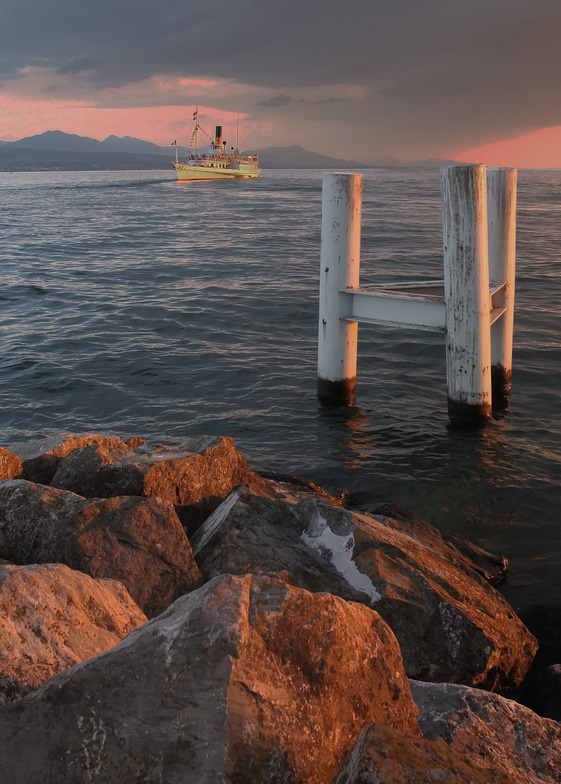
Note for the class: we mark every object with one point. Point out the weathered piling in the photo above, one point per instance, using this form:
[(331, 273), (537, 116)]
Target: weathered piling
[(340, 263), (473, 305), (466, 293), (501, 216)]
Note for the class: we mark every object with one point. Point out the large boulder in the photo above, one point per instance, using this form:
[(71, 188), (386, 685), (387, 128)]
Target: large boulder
[(451, 624), (385, 755), (41, 458), (501, 736), (10, 465), (52, 617), (195, 476), (246, 679), (138, 541)]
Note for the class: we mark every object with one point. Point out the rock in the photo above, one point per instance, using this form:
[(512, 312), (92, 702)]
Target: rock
[(246, 679), (41, 458), (10, 465), (384, 755), (493, 568), (82, 472), (498, 734), (52, 617), (4, 552), (11, 689), (195, 477), (138, 541), (451, 625), (251, 532)]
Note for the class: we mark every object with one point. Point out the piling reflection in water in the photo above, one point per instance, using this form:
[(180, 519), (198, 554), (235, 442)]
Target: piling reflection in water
[(464, 482), (349, 424)]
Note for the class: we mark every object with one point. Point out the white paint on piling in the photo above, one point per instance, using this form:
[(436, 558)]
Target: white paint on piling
[(340, 263), (466, 291), (501, 211)]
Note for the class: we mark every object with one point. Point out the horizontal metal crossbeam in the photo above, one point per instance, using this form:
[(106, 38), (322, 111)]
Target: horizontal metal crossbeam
[(409, 304), (389, 308)]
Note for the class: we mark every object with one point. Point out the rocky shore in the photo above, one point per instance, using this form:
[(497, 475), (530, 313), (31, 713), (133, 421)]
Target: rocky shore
[(169, 616)]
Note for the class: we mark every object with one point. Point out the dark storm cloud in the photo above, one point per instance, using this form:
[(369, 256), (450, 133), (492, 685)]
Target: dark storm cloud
[(450, 71), (276, 101), (79, 66), (279, 101)]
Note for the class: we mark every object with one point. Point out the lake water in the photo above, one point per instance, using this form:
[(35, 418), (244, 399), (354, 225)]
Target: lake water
[(136, 305)]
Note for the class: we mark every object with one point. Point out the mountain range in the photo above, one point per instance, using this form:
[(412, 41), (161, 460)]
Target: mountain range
[(55, 150)]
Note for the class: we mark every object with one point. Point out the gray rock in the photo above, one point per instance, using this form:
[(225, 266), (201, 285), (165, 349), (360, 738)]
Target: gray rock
[(138, 541), (451, 624), (499, 734), (247, 679)]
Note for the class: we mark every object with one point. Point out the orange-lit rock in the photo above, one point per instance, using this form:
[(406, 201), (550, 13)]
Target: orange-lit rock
[(52, 617), (10, 465), (450, 623), (138, 541), (195, 477), (311, 672), (41, 458), (246, 679), (384, 755)]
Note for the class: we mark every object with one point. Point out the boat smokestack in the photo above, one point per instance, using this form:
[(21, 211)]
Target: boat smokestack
[(218, 136)]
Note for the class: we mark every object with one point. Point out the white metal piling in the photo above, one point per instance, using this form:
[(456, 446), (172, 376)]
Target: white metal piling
[(340, 263), (466, 293), (501, 213)]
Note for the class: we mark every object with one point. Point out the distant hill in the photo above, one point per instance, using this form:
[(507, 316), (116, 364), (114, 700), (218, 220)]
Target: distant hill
[(55, 150), (70, 142), (57, 140)]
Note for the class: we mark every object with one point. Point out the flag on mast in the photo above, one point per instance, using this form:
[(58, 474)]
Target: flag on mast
[(174, 143)]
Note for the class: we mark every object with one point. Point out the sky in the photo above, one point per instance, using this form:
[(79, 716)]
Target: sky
[(471, 80)]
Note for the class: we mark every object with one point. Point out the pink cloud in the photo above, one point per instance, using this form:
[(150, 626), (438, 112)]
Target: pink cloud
[(160, 124), (540, 149), (197, 83)]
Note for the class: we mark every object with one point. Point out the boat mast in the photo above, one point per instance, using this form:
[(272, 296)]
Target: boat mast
[(196, 118)]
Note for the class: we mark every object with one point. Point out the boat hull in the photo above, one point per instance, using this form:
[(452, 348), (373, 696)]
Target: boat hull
[(194, 173)]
